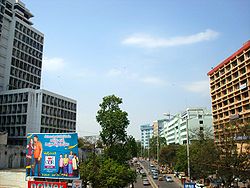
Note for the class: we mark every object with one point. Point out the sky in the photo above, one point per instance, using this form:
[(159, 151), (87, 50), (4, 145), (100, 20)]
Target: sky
[(154, 54)]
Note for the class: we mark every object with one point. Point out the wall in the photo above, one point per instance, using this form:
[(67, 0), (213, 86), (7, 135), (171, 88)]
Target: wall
[(12, 156)]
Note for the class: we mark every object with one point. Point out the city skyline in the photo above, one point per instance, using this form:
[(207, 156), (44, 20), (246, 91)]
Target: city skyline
[(154, 55)]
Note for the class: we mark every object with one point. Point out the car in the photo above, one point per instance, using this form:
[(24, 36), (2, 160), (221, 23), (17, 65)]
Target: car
[(151, 165), (145, 182), (168, 179), (155, 176)]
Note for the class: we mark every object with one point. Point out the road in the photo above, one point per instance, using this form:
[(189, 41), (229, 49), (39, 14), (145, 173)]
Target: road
[(161, 184)]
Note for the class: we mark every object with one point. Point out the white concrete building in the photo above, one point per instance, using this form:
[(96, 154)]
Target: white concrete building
[(27, 110), (21, 47), (146, 134), (195, 119), (24, 108)]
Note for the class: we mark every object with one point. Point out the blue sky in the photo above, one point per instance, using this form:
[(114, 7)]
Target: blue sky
[(155, 54)]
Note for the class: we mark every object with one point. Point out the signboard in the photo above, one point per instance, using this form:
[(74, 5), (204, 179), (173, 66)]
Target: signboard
[(45, 184), (52, 155)]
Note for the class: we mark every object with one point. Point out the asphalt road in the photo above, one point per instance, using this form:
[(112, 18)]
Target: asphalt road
[(161, 184)]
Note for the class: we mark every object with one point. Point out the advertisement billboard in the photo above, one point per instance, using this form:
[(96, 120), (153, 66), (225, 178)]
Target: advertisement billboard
[(52, 155), (44, 184)]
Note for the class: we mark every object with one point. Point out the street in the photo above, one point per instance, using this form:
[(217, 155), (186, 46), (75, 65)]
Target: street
[(161, 184)]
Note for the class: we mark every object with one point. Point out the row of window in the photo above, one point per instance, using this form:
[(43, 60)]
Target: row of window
[(57, 102), (29, 32), (229, 78), (231, 100), (12, 98), (25, 56), (26, 40), (61, 113), (15, 83), (54, 130), (231, 65), (15, 131), (59, 123), (232, 111), (25, 76), (25, 66), (13, 120), (13, 109)]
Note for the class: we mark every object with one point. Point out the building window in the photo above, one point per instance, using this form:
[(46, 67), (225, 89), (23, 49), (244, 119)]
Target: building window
[(201, 121)]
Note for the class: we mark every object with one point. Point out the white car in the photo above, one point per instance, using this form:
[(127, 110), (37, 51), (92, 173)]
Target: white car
[(169, 179)]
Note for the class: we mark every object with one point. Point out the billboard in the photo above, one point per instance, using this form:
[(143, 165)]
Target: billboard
[(43, 184), (52, 155)]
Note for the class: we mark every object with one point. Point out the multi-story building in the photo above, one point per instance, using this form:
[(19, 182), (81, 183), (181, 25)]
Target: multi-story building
[(186, 125), (27, 110), (158, 127), (146, 134), (230, 87), (24, 107), (21, 48)]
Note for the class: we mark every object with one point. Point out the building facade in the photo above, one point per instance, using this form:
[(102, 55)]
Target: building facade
[(21, 48), (158, 126), (27, 110), (230, 87), (185, 126), (24, 107), (146, 134)]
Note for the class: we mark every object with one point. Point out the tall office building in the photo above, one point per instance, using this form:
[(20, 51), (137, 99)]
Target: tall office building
[(24, 107), (158, 127), (230, 87), (185, 125), (27, 110), (146, 134), (21, 48)]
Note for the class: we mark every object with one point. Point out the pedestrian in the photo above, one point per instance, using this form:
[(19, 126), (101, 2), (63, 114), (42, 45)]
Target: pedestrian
[(65, 165), (38, 149), (30, 148), (75, 164), (60, 164), (70, 168)]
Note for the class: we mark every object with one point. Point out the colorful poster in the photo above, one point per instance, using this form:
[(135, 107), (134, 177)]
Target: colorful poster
[(52, 155), (41, 184)]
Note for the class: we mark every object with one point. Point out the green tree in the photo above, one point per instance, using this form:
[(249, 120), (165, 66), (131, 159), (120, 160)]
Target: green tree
[(168, 154), (155, 142), (114, 122), (115, 175), (234, 152), (131, 147), (203, 154), (181, 159)]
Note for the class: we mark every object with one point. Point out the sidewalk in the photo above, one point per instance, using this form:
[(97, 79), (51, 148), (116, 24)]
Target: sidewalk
[(14, 178)]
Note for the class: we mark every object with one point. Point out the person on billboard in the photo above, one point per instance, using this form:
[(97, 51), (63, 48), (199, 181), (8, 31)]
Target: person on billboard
[(38, 149), (30, 148), (65, 165), (60, 169), (70, 167), (75, 163)]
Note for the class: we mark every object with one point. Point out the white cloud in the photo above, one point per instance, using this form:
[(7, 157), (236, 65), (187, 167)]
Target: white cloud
[(147, 41), (53, 64), (201, 87), (153, 81)]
